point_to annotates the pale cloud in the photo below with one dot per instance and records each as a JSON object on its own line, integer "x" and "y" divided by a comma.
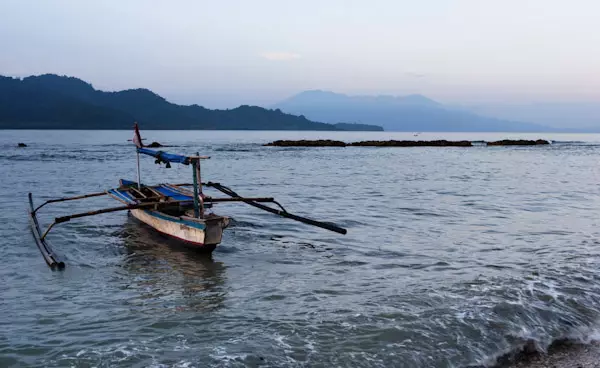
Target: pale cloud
{"x": 414, "y": 75}
{"x": 280, "y": 56}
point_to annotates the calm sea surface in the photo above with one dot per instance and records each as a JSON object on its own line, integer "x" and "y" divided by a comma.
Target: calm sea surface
{"x": 453, "y": 255}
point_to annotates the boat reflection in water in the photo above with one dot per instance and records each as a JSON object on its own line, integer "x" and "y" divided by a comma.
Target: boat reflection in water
{"x": 167, "y": 274}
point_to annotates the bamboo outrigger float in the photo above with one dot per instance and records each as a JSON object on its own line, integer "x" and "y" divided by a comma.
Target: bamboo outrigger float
{"x": 174, "y": 210}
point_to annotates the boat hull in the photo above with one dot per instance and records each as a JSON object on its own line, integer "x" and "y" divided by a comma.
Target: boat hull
{"x": 203, "y": 235}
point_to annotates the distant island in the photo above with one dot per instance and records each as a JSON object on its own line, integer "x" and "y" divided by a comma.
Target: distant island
{"x": 411, "y": 113}
{"x": 58, "y": 102}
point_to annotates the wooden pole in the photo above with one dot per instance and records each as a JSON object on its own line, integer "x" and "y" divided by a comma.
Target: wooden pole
{"x": 198, "y": 177}
{"x": 138, "y": 171}
{"x": 239, "y": 199}
{"x": 69, "y": 199}
{"x": 199, "y": 181}
{"x": 196, "y": 209}
{"x": 62, "y": 219}
{"x": 112, "y": 209}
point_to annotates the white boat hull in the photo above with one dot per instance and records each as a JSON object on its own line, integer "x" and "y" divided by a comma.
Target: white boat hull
{"x": 195, "y": 232}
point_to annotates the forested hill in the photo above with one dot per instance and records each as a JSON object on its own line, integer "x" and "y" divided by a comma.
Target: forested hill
{"x": 57, "y": 102}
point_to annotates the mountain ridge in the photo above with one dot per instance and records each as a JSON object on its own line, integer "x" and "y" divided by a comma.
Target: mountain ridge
{"x": 397, "y": 113}
{"x": 50, "y": 101}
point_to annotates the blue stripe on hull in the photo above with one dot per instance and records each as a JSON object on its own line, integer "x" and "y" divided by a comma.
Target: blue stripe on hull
{"x": 179, "y": 221}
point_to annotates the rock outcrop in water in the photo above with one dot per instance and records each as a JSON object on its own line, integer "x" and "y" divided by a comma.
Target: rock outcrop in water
{"x": 154, "y": 145}
{"x": 560, "y": 353}
{"x": 390, "y": 143}
{"x": 393, "y": 143}
{"x": 21, "y": 145}
{"x": 305, "y": 143}
{"x": 518, "y": 142}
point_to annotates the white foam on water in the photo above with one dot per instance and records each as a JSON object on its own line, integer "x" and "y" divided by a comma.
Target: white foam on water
{"x": 583, "y": 334}
{"x": 587, "y": 334}
{"x": 310, "y": 346}
{"x": 460, "y": 315}
{"x": 180, "y": 364}
{"x": 402, "y": 344}
{"x": 280, "y": 340}
{"x": 183, "y": 364}
{"x": 348, "y": 326}
{"x": 220, "y": 353}
{"x": 181, "y": 345}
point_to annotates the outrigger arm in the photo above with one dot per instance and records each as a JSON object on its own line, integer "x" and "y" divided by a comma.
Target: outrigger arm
{"x": 154, "y": 205}
{"x": 69, "y": 199}
{"x": 62, "y": 219}
{"x": 253, "y": 202}
{"x": 282, "y": 212}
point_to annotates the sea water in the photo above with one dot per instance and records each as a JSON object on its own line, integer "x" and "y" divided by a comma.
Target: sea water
{"x": 453, "y": 256}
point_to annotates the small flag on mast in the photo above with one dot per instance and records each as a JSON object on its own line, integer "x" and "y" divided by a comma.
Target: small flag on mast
{"x": 137, "y": 139}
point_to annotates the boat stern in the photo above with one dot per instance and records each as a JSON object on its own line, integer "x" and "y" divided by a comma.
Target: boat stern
{"x": 214, "y": 229}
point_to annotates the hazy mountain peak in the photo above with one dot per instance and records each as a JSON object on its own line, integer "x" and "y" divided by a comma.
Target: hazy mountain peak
{"x": 412, "y": 112}
{"x": 322, "y": 97}
{"x": 319, "y": 92}
{"x": 317, "y": 96}
{"x": 418, "y": 99}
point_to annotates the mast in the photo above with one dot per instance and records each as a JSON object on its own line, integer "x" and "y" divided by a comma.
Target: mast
{"x": 137, "y": 140}
{"x": 198, "y": 201}
{"x": 196, "y": 207}
{"x": 198, "y": 177}
{"x": 199, "y": 180}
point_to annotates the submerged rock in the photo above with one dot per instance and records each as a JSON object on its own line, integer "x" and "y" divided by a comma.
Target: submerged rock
{"x": 560, "y": 353}
{"x": 154, "y": 145}
{"x": 21, "y": 145}
{"x": 393, "y": 143}
{"x": 305, "y": 143}
{"x": 518, "y": 142}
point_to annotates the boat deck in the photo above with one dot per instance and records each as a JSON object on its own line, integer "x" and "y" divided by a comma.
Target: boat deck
{"x": 128, "y": 193}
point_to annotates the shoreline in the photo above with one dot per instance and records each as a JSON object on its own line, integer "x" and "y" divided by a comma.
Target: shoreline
{"x": 576, "y": 355}
{"x": 561, "y": 353}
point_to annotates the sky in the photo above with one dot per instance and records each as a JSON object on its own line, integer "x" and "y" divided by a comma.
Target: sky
{"x": 221, "y": 54}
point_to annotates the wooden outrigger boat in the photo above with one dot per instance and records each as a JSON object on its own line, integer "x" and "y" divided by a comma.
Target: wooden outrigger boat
{"x": 180, "y": 211}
